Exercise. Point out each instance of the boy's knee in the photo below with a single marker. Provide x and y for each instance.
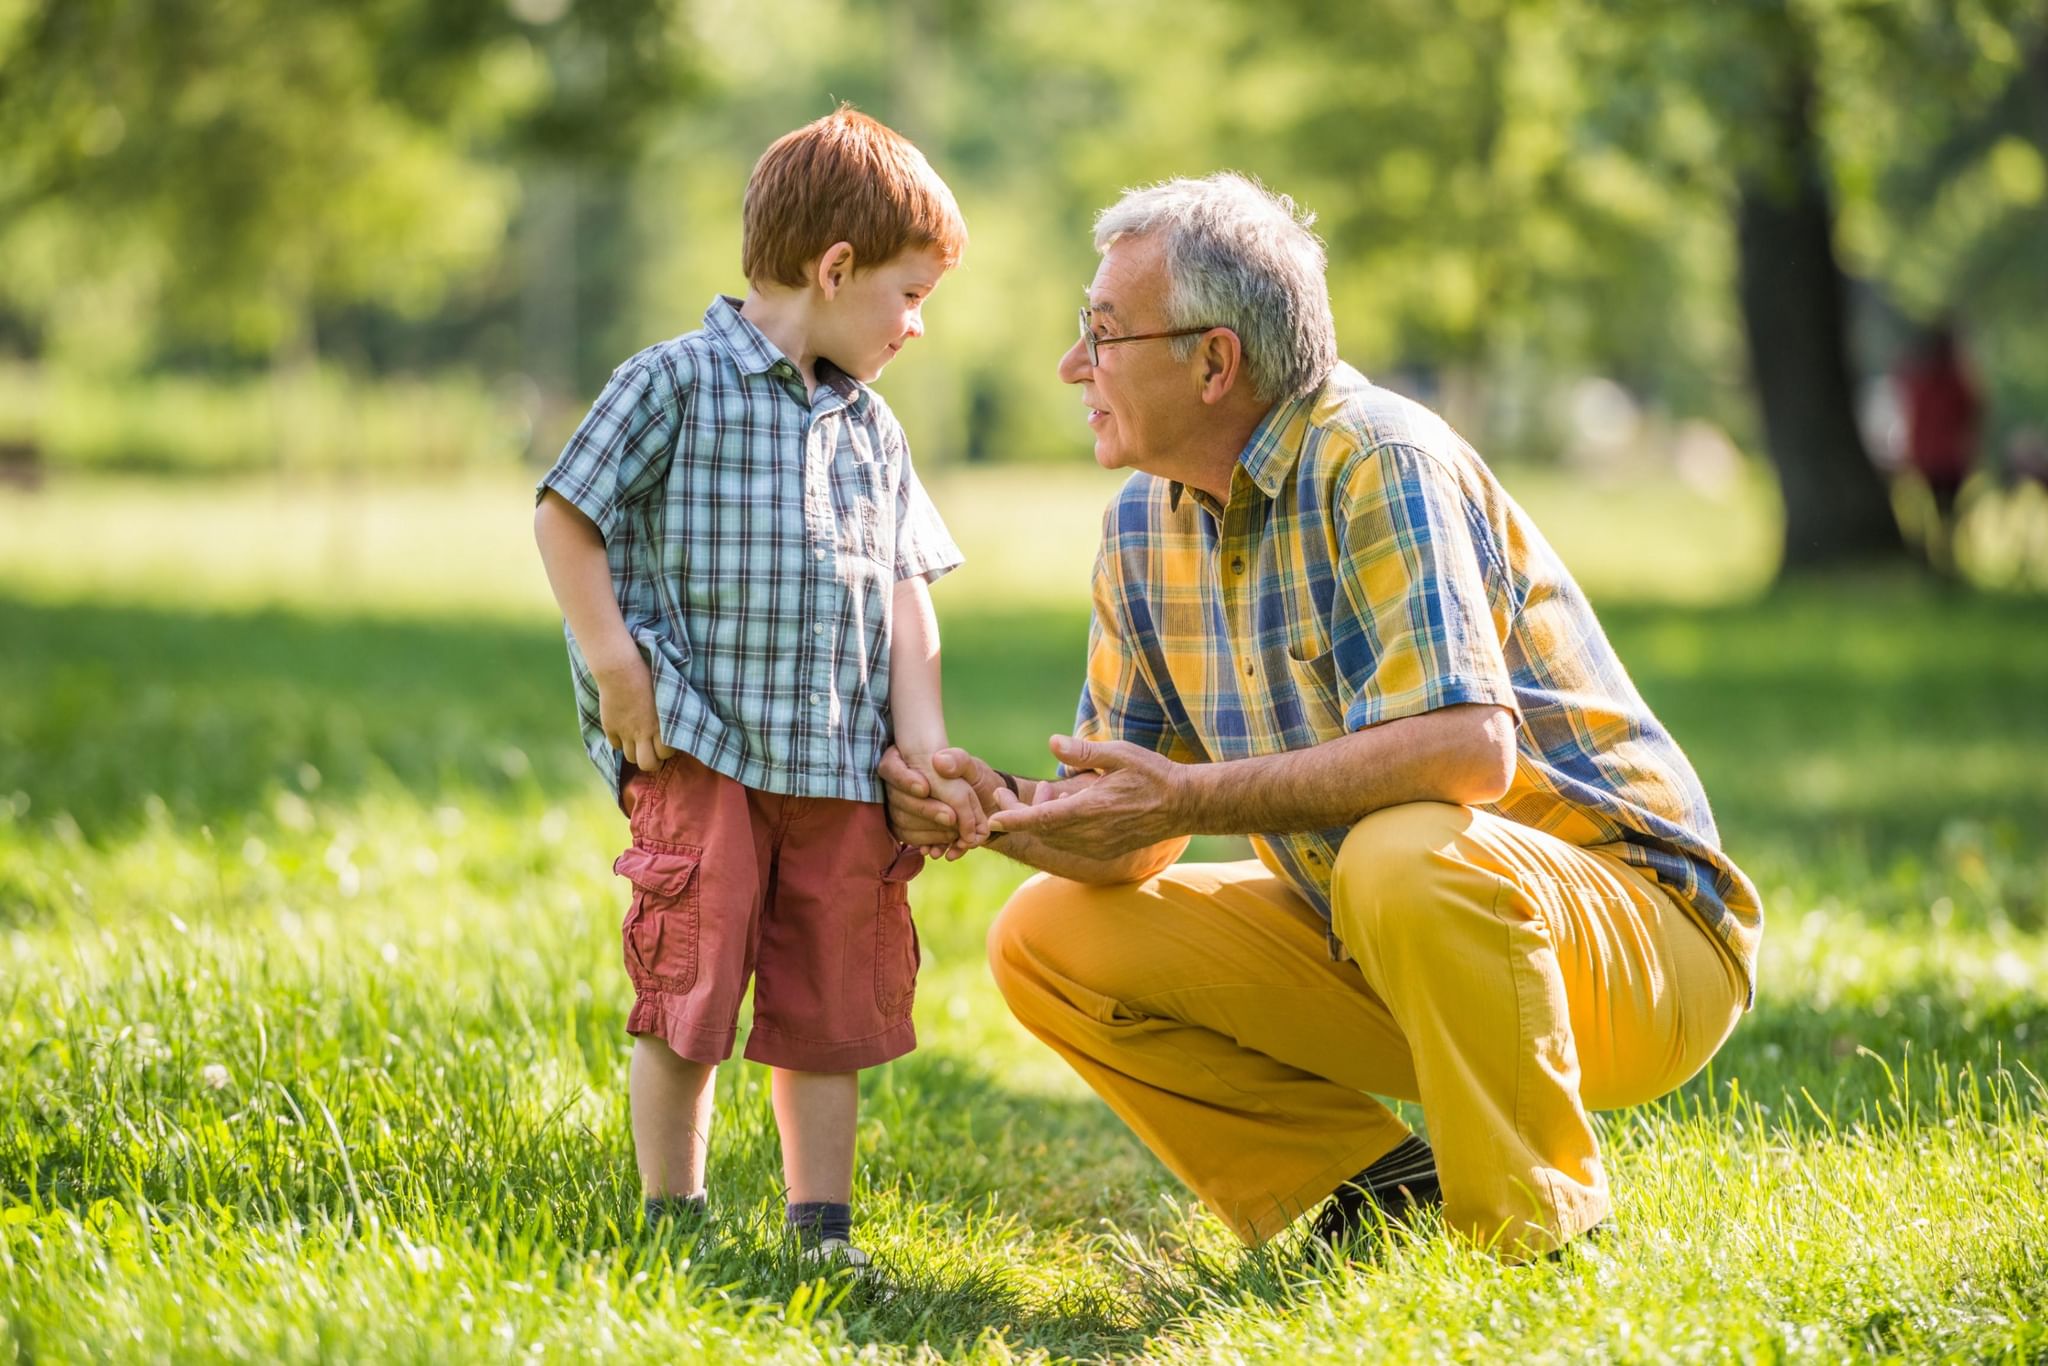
(1393, 867)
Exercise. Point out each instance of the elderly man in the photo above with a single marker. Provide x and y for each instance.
(1487, 879)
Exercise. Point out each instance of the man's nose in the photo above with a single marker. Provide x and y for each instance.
(1074, 365)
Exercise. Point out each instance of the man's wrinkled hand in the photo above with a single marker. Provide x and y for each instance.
(1128, 798)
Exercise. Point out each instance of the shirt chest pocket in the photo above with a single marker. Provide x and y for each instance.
(864, 504)
(1309, 658)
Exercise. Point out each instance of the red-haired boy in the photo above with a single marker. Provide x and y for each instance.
(741, 552)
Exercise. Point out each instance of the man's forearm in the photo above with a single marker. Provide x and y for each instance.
(1462, 754)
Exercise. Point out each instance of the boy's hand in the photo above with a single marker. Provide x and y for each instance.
(970, 820)
(625, 707)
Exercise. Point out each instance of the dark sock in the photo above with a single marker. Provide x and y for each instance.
(683, 1207)
(1393, 1188)
(1410, 1167)
(1410, 1164)
(814, 1221)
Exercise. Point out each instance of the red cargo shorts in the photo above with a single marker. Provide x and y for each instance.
(806, 896)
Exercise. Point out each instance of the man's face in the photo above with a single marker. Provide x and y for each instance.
(878, 310)
(1141, 401)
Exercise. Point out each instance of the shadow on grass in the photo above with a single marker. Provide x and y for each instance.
(105, 711)
(1825, 715)
(1814, 714)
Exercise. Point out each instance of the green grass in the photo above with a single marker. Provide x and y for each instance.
(310, 1009)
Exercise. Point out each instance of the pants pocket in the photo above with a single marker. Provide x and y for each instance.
(897, 954)
(661, 926)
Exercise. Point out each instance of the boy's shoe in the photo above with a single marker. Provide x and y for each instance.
(840, 1251)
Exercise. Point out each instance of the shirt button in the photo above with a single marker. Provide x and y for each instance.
(818, 628)
(1248, 670)
(821, 552)
(814, 699)
(1237, 564)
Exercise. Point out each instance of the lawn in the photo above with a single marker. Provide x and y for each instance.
(310, 1005)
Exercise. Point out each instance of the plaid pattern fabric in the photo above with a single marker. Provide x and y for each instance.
(1369, 567)
(755, 539)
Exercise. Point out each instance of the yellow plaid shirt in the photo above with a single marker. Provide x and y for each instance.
(1367, 567)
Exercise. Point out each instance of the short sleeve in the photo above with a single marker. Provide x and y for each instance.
(1415, 578)
(1118, 701)
(620, 452)
(924, 548)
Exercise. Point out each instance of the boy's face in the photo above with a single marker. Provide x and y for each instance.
(875, 312)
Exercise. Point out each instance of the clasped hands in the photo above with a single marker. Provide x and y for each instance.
(1121, 797)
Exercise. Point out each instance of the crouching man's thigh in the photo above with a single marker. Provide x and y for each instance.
(1399, 864)
(1134, 942)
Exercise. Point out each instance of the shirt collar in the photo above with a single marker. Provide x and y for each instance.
(751, 350)
(1268, 457)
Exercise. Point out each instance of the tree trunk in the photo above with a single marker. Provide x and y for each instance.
(1837, 509)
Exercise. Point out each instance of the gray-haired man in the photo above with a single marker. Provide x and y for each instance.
(1487, 879)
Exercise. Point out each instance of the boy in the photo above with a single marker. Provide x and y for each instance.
(741, 552)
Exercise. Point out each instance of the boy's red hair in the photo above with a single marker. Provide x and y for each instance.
(845, 178)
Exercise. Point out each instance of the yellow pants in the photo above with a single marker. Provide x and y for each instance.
(1505, 979)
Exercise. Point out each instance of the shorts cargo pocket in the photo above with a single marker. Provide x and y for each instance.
(661, 926)
(896, 948)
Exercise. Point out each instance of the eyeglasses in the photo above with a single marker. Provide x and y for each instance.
(1094, 344)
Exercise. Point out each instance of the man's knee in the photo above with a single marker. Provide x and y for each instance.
(1393, 867)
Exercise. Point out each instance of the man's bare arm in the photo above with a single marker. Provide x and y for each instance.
(1463, 754)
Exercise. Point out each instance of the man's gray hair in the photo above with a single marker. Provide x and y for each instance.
(1242, 257)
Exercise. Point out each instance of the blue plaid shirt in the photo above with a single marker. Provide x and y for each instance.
(755, 538)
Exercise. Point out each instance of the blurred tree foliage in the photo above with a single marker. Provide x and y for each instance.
(1735, 209)
(217, 172)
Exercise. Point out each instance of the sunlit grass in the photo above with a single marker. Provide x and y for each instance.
(310, 1009)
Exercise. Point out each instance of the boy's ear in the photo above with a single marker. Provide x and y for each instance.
(834, 268)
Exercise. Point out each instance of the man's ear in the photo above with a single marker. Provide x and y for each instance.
(833, 269)
(1219, 363)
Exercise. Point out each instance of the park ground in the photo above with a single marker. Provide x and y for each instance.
(310, 1004)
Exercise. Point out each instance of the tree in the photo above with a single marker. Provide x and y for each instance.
(220, 168)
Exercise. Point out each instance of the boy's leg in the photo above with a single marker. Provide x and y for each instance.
(834, 978)
(696, 865)
(672, 1099)
(815, 1113)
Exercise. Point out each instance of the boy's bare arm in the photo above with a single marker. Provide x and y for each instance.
(916, 712)
(572, 551)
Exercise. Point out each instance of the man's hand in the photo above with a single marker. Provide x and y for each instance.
(625, 707)
(920, 818)
(1138, 800)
